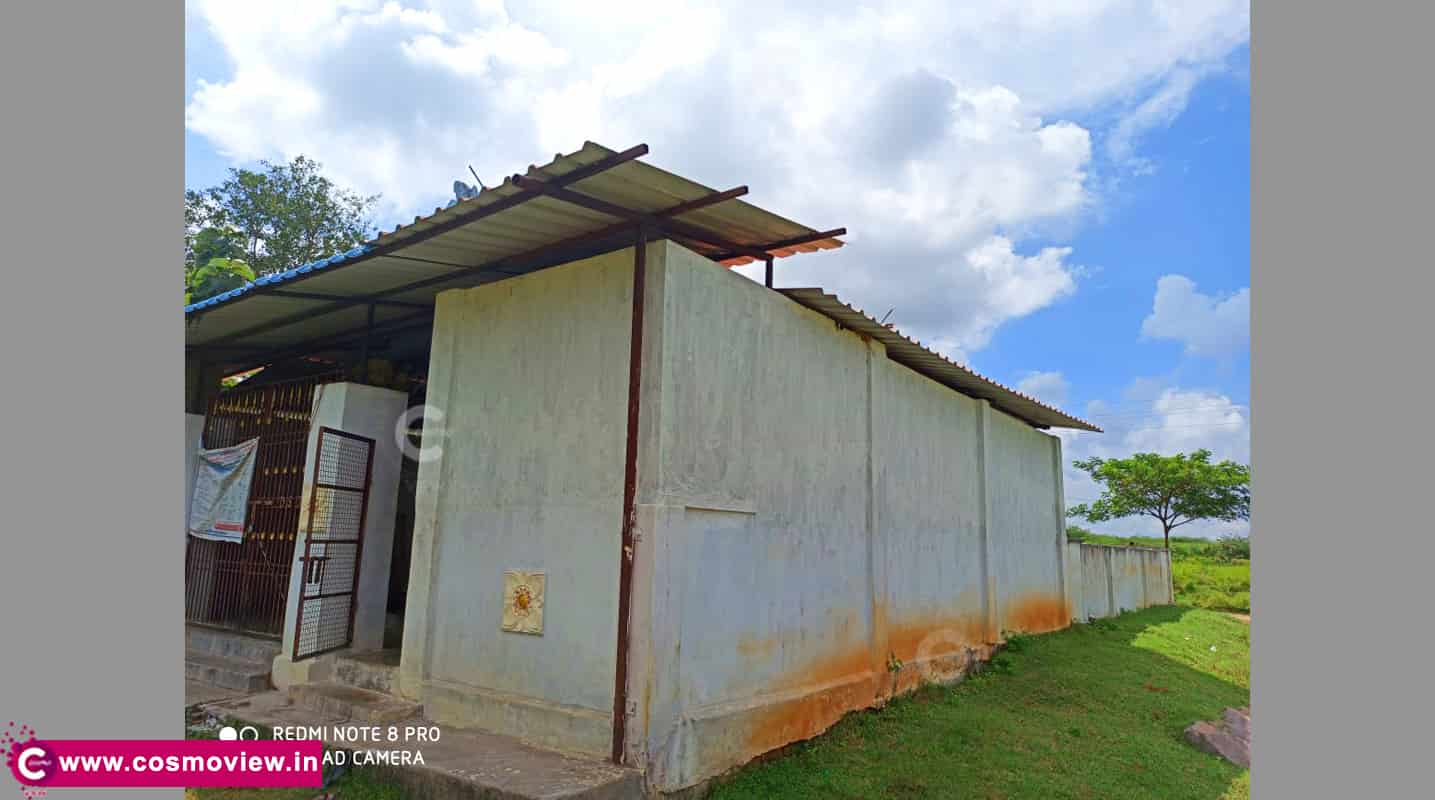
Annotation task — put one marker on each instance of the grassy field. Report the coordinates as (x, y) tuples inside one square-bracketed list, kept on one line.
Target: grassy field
[(1201, 579), (1095, 711)]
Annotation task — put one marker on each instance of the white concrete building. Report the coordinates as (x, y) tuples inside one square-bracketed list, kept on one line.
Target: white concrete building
[(659, 512)]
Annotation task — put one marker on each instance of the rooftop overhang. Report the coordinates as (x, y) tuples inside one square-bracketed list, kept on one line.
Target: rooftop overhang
[(588, 202)]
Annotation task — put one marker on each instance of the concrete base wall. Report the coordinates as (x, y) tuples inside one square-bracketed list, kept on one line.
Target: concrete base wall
[(820, 527)]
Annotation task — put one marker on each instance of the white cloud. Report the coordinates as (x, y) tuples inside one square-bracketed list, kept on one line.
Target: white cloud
[(939, 136), (1205, 324), (1165, 420), (1048, 387), (1160, 109)]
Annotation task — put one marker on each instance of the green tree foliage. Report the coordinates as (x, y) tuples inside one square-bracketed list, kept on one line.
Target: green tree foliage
[(1174, 490), (278, 217), (213, 263)]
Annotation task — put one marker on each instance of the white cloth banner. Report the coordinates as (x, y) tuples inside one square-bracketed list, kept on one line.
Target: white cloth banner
[(221, 492)]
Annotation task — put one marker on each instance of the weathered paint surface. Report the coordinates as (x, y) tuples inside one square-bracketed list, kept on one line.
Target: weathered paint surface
[(811, 515), (1109, 580), (531, 377)]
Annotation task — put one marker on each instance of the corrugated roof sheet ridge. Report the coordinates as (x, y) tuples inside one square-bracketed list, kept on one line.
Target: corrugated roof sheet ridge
[(280, 277), (361, 249), (946, 360)]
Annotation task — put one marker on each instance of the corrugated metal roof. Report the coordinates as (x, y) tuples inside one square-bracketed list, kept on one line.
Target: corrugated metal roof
[(934, 365), (447, 249), (485, 238)]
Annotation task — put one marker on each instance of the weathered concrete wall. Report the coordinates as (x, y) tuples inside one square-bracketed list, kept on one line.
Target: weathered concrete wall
[(1028, 535), (811, 516), (1109, 580), (530, 376)]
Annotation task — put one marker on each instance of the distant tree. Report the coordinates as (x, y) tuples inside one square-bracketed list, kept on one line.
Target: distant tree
[(1174, 490), (279, 217), (1076, 533)]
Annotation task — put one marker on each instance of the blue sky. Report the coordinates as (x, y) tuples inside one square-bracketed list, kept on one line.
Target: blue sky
[(1190, 217), (1057, 195)]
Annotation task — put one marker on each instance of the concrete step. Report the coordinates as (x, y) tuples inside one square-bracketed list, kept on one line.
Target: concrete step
[(376, 671), (458, 764), (226, 672), (229, 645), (352, 703)]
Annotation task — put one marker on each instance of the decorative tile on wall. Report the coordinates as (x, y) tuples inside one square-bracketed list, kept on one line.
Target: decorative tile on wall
[(523, 601)]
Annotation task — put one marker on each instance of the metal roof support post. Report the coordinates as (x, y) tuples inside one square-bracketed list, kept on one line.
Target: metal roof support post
[(630, 491), (768, 281), (364, 350)]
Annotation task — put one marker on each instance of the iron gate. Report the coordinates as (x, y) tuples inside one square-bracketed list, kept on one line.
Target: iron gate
[(244, 585), (333, 542)]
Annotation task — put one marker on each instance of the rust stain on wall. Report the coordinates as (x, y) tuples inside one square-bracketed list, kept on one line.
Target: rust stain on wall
[(857, 677), (756, 647), (933, 637), (1038, 612)]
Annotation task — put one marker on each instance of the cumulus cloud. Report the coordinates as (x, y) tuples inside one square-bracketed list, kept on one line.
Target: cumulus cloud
[(940, 137), (1207, 325), (1154, 419)]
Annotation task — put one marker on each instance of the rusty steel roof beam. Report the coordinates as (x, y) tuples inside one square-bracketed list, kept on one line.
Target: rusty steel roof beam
[(666, 224), (463, 270), (784, 243), (465, 218)]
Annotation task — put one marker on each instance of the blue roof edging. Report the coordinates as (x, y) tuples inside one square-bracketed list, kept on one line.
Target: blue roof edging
[(279, 277)]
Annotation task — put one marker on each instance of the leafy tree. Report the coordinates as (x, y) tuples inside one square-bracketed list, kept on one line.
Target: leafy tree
[(213, 263), (1174, 490), (279, 217), (1076, 533)]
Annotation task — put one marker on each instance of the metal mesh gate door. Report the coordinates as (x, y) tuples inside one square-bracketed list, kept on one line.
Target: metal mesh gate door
[(333, 542)]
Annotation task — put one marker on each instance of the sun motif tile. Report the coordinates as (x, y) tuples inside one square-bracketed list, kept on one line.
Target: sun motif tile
[(523, 601)]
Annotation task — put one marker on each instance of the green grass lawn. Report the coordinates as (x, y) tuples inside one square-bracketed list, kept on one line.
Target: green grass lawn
[(1095, 711)]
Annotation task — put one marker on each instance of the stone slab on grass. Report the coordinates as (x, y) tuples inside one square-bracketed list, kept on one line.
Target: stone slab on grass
[(1229, 737)]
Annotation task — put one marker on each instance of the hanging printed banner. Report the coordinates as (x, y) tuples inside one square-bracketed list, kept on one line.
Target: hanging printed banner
[(221, 492)]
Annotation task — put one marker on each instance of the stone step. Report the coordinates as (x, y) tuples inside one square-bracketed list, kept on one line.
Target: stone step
[(353, 703), (458, 764), (377, 672), (226, 672), (229, 645)]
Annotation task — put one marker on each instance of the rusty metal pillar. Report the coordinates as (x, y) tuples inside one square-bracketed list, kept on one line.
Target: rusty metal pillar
[(630, 489)]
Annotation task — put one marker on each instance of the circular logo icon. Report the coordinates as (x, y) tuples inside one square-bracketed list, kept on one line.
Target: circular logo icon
[(34, 763)]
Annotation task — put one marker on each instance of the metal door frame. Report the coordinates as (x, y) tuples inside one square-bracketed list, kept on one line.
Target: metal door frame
[(312, 564)]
